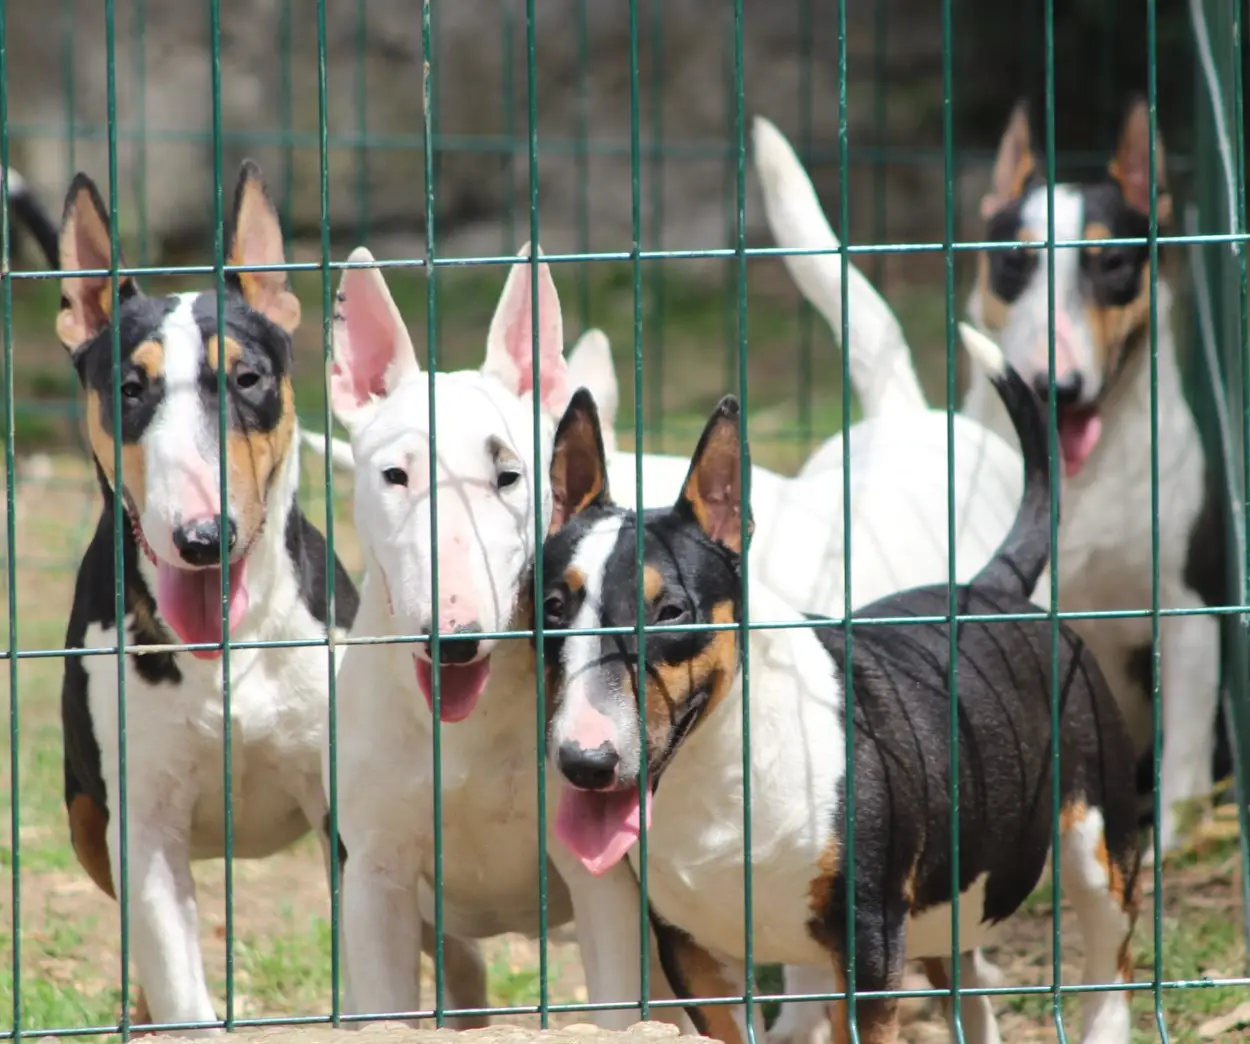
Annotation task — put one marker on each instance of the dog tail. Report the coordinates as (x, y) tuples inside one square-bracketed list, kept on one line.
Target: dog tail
[(1025, 551), (880, 360), (31, 213), (341, 455)]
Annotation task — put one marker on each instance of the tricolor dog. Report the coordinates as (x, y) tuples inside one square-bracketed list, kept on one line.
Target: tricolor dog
[(1102, 332), (174, 555), (1102, 402), (689, 737)]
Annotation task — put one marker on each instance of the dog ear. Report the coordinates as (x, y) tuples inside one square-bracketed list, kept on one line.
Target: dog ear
[(372, 349), (1014, 165), (85, 244), (1130, 166), (579, 472), (712, 493), (509, 344), (590, 367), (255, 238)]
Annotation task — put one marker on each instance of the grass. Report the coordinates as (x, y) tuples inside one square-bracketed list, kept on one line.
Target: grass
[(70, 973)]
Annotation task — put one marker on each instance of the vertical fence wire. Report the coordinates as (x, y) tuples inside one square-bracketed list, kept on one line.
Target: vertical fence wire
[(429, 130), (10, 535), (223, 435), (1056, 968), (328, 311), (140, 147), (540, 694), (1152, 244), (119, 522), (744, 466), (640, 602), (656, 234), (948, 264), (850, 984)]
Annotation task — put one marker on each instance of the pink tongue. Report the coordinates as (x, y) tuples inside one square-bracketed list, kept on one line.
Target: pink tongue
[(1078, 435), (459, 687), (599, 827), (190, 602)]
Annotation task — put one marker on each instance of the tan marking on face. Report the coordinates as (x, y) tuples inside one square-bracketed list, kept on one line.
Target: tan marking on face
[(234, 352), (993, 308), (88, 832), (671, 686), (150, 358), (703, 978), (134, 469), (1116, 328), (254, 457), (652, 583), (1095, 230), (575, 579)]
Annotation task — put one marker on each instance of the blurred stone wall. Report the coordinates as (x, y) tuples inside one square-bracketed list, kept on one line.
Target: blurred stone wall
[(379, 194)]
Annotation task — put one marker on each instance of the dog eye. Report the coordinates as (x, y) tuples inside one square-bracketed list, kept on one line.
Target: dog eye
[(553, 610), (506, 478), (670, 612), (245, 379), (132, 386), (395, 476)]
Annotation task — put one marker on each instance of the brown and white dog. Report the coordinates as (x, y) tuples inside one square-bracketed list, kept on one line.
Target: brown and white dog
[(172, 554), (690, 740)]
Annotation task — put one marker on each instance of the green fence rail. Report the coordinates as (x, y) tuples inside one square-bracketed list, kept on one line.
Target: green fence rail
[(692, 336)]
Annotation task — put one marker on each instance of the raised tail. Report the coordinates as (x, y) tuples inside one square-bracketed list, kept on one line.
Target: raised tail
[(32, 214), (880, 360), (1025, 551), (341, 455)]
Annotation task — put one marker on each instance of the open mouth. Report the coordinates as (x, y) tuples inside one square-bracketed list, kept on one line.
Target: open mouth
[(600, 826), (1080, 427), (459, 686), (189, 600)]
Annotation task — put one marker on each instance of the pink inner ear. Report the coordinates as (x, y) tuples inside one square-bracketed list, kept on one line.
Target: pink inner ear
[(552, 368), (364, 356)]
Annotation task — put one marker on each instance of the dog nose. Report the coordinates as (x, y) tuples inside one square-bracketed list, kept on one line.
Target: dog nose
[(588, 769), (199, 543), (460, 650), (1067, 388)]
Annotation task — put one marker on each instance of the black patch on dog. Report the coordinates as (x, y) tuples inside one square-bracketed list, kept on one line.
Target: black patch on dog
[(899, 677), (307, 547), (252, 406), (1112, 274), (94, 603)]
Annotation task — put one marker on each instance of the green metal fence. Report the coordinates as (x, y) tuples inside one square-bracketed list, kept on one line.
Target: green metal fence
[(324, 143)]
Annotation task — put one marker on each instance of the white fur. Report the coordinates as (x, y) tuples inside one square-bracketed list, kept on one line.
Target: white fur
[(174, 766)]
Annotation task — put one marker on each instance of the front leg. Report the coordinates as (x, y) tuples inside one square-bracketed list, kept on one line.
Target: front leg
[(607, 912), (1190, 669), (381, 933), (699, 974), (163, 918)]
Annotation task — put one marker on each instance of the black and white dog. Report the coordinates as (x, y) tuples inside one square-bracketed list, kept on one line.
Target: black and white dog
[(690, 739), (173, 714)]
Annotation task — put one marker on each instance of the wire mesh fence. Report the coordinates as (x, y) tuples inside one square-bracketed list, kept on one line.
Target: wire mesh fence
[(621, 141)]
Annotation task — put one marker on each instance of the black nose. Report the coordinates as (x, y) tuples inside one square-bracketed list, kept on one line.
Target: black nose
[(588, 769), (199, 543), (1067, 389), (460, 650)]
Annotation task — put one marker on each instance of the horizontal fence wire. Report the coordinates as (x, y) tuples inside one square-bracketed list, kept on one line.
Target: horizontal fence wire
[(655, 296)]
